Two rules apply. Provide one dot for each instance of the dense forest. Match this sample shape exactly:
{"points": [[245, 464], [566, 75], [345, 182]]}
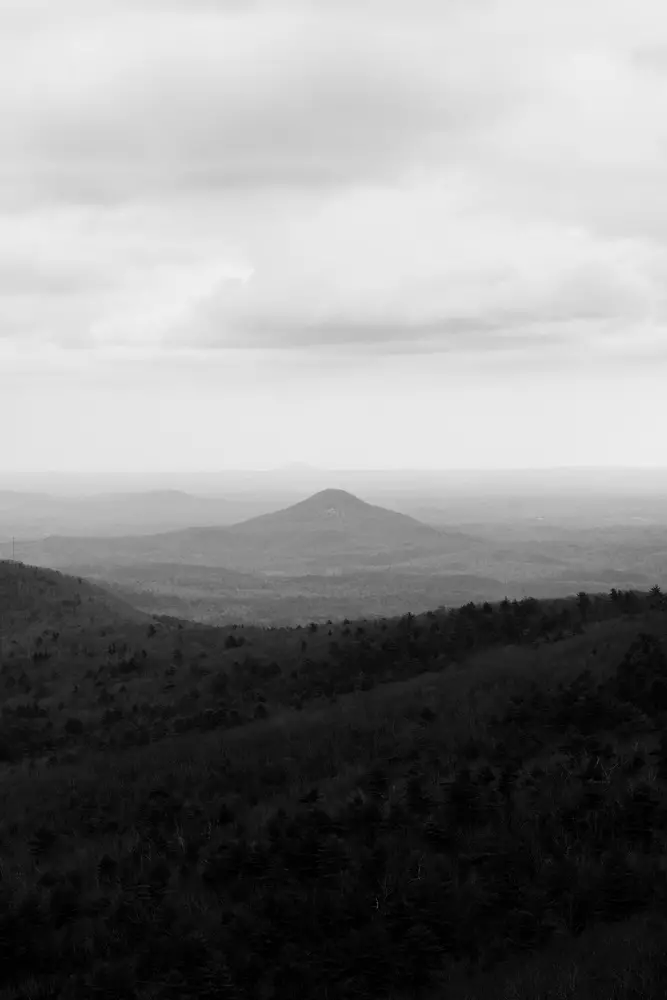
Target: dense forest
{"points": [[467, 803]]}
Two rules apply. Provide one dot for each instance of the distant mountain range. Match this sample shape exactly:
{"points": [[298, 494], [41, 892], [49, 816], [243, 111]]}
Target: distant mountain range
{"points": [[333, 555], [38, 515], [329, 532]]}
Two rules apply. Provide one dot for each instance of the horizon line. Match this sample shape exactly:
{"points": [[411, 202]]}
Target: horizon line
{"points": [[304, 467]]}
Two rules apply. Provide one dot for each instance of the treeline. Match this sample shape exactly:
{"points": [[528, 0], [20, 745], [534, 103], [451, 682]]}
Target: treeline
{"points": [[358, 855], [180, 677]]}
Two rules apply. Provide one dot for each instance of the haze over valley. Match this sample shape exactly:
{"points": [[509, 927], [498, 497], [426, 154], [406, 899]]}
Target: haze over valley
{"points": [[273, 556]]}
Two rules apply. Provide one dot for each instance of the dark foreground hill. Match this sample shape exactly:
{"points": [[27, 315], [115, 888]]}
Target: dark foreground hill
{"points": [[466, 803], [330, 531], [34, 597]]}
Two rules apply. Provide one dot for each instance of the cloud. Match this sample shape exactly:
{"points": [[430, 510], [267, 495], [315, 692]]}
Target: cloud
{"points": [[130, 102], [421, 268], [434, 176]]}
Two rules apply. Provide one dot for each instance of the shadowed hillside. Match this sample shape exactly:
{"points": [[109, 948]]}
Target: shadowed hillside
{"points": [[32, 596], [467, 803]]}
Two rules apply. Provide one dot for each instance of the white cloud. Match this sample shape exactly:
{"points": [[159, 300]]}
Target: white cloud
{"points": [[482, 180], [421, 266], [128, 103]]}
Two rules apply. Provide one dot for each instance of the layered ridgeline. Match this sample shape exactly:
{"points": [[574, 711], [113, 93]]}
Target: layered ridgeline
{"points": [[69, 646], [467, 803], [36, 515], [330, 531], [33, 598], [334, 556], [219, 596]]}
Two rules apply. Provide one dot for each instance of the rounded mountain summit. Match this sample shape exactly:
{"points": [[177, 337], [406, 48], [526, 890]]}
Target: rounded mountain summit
{"points": [[341, 512], [332, 529]]}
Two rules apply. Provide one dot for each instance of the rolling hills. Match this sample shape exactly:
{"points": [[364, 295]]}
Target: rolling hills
{"points": [[222, 597], [32, 596], [330, 531], [333, 556], [38, 515], [468, 802]]}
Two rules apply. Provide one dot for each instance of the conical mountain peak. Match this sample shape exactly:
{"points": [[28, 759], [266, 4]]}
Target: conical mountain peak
{"points": [[332, 498]]}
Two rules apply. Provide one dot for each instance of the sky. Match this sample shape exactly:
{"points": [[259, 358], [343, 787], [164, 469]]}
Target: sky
{"points": [[356, 234]]}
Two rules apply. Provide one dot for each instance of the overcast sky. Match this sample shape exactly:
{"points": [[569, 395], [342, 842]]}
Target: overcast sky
{"points": [[356, 233]]}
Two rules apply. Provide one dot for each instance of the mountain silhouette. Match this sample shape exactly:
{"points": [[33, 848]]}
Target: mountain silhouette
{"points": [[336, 512], [332, 530]]}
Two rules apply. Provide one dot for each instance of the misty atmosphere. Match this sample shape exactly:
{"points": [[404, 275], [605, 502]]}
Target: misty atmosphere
{"points": [[274, 557], [333, 500]]}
